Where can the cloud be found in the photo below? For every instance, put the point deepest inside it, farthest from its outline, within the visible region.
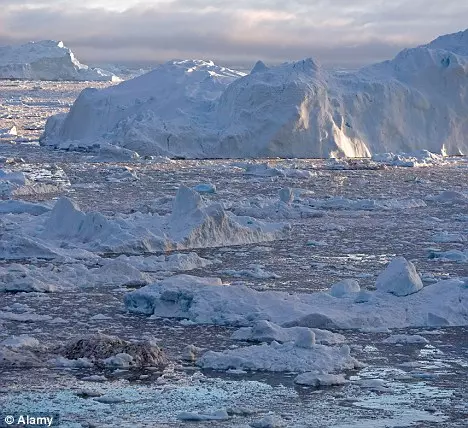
(336, 32)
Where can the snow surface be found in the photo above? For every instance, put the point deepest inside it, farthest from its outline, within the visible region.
(196, 109)
(46, 60)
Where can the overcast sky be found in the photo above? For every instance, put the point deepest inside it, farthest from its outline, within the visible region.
(336, 32)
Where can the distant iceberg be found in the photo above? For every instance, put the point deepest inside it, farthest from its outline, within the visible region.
(47, 60)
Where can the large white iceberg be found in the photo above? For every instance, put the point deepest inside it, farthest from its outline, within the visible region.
(46, 60)
(195, 109)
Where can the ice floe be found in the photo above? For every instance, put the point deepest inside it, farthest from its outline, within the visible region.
(207, 301)
(276, 357)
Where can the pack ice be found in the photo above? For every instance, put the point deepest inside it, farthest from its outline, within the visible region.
(46, 60)
(195, 109)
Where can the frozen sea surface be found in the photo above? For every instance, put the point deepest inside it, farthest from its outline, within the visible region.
(407, 384)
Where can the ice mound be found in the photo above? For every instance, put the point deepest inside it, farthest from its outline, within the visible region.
(20, 342)
(450, 256)
(185, 297)
(406, 338)
(276, 357)
(319, 379)
(20, 207)
(290, 205)
(19, 278)
(399, 278)
(192, 224)
(295, 110)
(409, 160)
(265, 331)
(26, 182)
(450, 197)
(172, 262)
(46, 60)
(345, 287)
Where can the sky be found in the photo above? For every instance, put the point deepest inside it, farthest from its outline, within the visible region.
(343, 33)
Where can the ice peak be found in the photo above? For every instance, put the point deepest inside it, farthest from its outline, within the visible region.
(456, 43)
(259, 67)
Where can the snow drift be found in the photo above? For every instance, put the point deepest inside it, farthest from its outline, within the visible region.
(46, 60)
(195, 109)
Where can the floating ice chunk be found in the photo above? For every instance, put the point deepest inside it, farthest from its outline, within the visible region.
(373, 384)
(21, 357)
(263, 170)
(269, 421)
(320, 379)
(416, 159)
(276, 357)
(205, 188)
(405, 338)
(265, 331)
(22, 341)
(450, 256)
(448, 237)
(399, 278)
(344, 288)
(19, 278)
(450, 197)
(219, 415)
(122, 175)
(78, 363)
(20, 207)
(111, 153)
(255, 271)
(173, 262)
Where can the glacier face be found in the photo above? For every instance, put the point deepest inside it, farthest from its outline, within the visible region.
(195, 109)
(46, 60)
